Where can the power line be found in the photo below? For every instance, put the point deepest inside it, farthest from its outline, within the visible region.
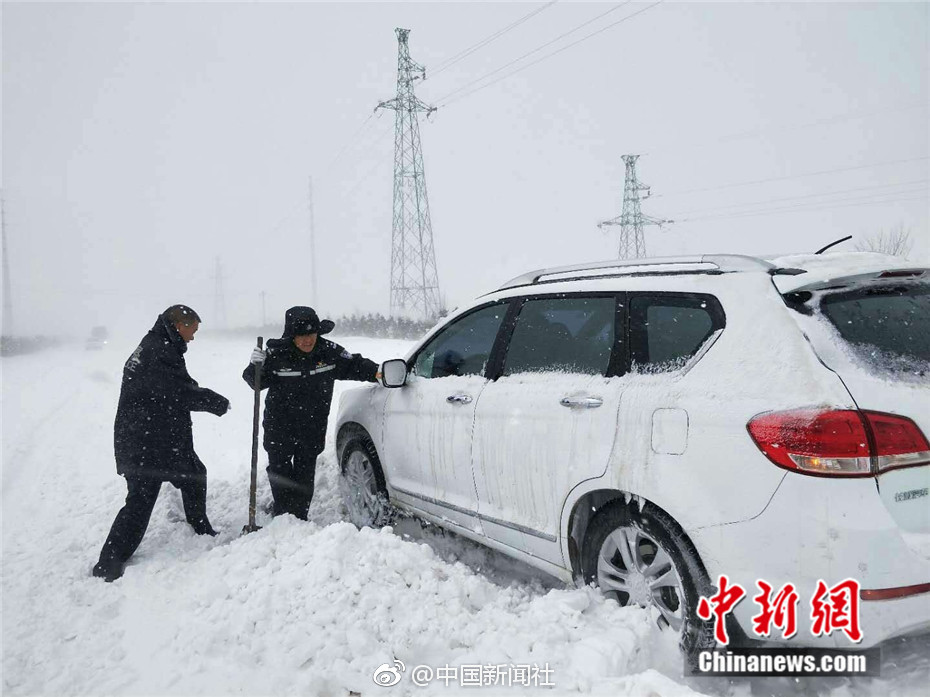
(535, 50)
(299, 204)
(825, 121)
(554, 53)
(793, 176)
(803, 196)
(448, 63)
(810, 208)
(356, 139)
(378, 162)
(350, 141)
(462, 55)
(302, 201)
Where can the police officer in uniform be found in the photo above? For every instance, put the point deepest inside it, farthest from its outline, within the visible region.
(299, 370)
(153, 438)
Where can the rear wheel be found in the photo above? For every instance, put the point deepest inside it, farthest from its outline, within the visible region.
(362, 485)
(643, 558)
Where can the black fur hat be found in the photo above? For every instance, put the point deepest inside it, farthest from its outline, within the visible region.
(304, 320)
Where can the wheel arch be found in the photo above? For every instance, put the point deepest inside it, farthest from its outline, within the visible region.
(589, 504)
(350, 431)
(345, 432)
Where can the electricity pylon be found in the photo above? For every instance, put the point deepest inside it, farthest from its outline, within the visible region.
(631, 220)
(414, 280)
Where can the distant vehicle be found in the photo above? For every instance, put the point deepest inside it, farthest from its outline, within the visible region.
(650, 425)
(97, 339)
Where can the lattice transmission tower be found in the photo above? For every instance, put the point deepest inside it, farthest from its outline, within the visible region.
(631, 220)
(414, 280)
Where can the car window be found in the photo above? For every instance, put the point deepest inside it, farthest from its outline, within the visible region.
(665, 331)
(463, 348)
(888, 327)
(573, 335)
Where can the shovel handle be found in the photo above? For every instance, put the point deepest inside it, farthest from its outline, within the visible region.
(256, 407)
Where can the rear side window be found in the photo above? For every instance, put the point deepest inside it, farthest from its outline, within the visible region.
(890, 327)
(569, 335)
(463, 348)
(667, 330)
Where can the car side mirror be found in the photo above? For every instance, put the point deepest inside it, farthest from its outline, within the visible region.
(394, 373)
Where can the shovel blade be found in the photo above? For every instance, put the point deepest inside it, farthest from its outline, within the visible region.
(246, 529)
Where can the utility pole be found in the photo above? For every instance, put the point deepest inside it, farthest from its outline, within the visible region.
(219, 300)
(312, 249)
(414, 279)
(631, 220)
(7, 323)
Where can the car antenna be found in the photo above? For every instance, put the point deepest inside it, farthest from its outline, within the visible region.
(833, 244)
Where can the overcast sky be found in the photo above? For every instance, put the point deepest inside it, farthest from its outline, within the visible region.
(143, 141)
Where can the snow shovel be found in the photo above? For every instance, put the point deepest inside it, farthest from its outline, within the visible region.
(251, 526)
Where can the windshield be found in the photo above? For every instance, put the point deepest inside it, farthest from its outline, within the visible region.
(890, 326)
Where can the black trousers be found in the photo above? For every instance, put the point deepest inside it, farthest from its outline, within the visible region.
(128, 529)
(291, 470)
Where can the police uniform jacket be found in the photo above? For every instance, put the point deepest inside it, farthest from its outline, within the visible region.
(300, 390)
(152, 435)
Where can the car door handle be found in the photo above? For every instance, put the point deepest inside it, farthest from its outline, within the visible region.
(581, 402)
(458, 399)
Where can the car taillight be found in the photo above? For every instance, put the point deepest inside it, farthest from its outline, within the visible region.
(899, 442)
(814, 441)
(839, 442)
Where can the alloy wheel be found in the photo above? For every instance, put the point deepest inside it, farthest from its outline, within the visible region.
(362, 499)
(634, 569)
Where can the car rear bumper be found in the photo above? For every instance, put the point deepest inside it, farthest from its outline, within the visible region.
(823, 529)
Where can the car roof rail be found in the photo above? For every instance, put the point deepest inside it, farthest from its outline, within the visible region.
(715, 263)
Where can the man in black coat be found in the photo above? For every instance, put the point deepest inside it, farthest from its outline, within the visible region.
(153, 438)
(299, 370)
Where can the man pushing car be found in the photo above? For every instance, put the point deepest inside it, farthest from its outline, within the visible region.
(299, 370)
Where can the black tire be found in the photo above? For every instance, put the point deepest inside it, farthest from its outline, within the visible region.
(651, 528)
(367, 501)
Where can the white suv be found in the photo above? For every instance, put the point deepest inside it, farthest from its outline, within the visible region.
(651, 425)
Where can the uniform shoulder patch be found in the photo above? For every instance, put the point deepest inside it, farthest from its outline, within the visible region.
(337, 349)
(135, 360)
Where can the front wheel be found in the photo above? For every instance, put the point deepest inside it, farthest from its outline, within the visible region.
(362, 486)
(641, 557)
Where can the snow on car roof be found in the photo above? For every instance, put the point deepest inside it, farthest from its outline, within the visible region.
(821, 270)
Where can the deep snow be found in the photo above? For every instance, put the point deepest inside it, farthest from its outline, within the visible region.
(296, 608)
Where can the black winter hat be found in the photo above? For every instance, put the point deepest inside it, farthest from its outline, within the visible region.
(303, 320)
(181, 313)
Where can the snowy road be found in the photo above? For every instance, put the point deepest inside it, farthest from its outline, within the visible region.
(297, 608)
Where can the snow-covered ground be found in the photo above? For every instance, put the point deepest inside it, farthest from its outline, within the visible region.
(296, 608)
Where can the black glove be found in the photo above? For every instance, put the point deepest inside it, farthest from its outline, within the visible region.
(219, 405)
